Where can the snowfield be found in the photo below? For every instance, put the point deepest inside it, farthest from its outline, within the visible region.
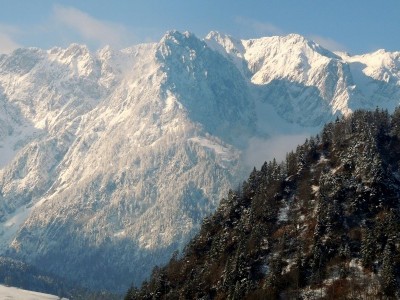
(110, 160)
(12, 293)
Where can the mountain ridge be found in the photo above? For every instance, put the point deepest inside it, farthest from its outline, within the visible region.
(119, 155)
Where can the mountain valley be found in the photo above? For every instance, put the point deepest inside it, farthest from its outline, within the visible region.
(110, 160)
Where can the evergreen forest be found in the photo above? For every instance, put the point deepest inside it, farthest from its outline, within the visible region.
(323, 224)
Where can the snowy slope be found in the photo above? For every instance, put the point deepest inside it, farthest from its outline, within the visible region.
(12, 293)
(110, 160)
(377, 76)
(308, 84)
(99, 175)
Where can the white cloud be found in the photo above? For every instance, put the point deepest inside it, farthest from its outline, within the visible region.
(90, 28)
(268, 29)
(7, 38)
(260, 150)
(260, 28)
(328, 43)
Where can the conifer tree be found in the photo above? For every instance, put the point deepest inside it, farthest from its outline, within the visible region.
(367, 247)
(388, 277)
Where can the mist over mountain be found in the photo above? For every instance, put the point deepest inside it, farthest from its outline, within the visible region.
(322, 224)
(110, 160)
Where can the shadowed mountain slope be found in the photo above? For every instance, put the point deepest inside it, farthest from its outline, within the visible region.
(324, 224)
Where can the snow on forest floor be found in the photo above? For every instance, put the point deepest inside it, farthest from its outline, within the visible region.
(13, 293)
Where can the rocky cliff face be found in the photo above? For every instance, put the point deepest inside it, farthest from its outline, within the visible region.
(110, 160)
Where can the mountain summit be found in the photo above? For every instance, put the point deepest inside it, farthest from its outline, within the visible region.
(111, 159)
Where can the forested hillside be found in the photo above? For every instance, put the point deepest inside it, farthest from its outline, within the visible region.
(110, 159)
(325, 223)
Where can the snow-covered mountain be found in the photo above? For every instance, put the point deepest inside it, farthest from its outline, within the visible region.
(111, 159)
(306, 83)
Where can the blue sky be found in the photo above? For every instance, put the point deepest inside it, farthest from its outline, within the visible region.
(352, 25)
